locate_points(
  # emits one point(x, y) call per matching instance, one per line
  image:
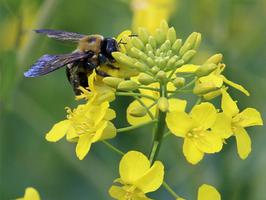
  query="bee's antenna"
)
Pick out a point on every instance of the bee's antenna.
point(121, 42)
point(133, 35)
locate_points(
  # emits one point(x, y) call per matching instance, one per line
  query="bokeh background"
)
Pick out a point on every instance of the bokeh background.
point(29, 107)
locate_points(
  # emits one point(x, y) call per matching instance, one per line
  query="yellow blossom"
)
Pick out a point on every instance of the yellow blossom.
point(236, 122)
point(208, 192)
point(30, 194)
point(86, 124)
point(98, 91)
point(137, 177)
point(194, 128)
point(150, 13)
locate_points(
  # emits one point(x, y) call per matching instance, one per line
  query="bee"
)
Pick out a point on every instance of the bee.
point(92, 51)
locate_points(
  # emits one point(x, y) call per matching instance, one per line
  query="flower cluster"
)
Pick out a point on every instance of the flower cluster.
point(156, 70)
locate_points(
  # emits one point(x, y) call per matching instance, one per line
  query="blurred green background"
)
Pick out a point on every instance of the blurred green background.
point(29, 107)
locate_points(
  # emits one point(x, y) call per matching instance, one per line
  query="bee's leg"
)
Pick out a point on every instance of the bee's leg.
point(104, 60)
point(112, 66)
point(101, 73)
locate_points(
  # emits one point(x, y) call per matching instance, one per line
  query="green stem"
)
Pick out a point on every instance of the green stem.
point(149, 88)
point(147, 109)
point(113, 148)
point(159, 130)
point(132, 94)
point(170, 190)
point(129, 128)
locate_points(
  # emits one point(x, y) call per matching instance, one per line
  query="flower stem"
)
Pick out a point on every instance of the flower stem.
point(170, 190)
point(149, 88)
point(159, 130)
point(113, 148)
point(129, 128)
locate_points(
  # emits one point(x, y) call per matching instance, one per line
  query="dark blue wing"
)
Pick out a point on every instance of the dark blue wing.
point(61, 35)
point(48, 63)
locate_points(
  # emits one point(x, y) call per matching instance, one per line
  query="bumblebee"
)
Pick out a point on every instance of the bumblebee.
point(92, 51)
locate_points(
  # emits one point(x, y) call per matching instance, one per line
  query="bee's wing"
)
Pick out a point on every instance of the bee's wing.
point(48, 63)
point(61, 35)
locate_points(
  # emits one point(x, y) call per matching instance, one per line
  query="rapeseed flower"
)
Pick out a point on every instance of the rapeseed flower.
point(30, 194)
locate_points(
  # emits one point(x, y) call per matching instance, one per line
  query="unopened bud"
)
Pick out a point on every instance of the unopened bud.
point(152, 42)
point(188, 55)
point(137, 43)
point(127, 85)
point(145, 79)
point(161, 75)
point(215, 59)
point(124, 59)
point(141, 66)
point(138, 111)
point(176, 46)
point(112, 81)
point(212, 95)
point(192, 42)
point(171, 35)
point(160, 36)
point(204, 88)
point(155, 69)
point(163, 104)
point(143, 34)
point(164, 26)
point(171, 62)
point(166, 46)
point(179, 82)
point(205, 69)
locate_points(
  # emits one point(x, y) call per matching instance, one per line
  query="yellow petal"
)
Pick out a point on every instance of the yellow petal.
point(189, 68)
point(191, 152)
point(217, 81)
point(236, 86)
point(249, 117)
point(110, 114)
point(117, 192)
point(83, 146)
point(204, 114)
point(31, 194)
point(152, 179)
point(132, 166)
point(105, 131)
point(228, 105)
point(179, 123)
point(208, 192)
point(72, 135)
point(243, 142)
point(209, 142)
point(177, 105)
point(139, 120)
point(222, 126)
point(58, 131)
point(180, 198)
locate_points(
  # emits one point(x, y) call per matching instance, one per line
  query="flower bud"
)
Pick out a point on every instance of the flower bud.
point(152, 42)
point(145, 79)
point(135, 52)
point(176, 46)
point(212, 95)
point(216, 59)
point(188, 55)
point(204, 88)
point(165, 46)
point(163, 104)
point(127, 85)
point(141, 66)
point(161, 75)
point(112, 81)
point(160, 36)
point(179, 63)
point(137, 43)
point(155, 69)
point(150, 61)
point(171, 62)
point(138, 111)
point(192, 42)
point(179, 82)
point(149, 47)
point(164, 26)
point(124, 59)
point(171, 35)
point(143, 35)
point(205, 69)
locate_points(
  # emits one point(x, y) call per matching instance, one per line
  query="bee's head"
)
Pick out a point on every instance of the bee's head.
point(109, 45)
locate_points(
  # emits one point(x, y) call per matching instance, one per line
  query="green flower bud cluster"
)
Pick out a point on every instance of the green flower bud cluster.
point(155, 55)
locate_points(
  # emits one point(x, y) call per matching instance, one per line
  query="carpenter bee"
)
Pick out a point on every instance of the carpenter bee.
point(92, 51)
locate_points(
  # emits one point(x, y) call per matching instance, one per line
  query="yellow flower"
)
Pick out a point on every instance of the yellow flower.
point(30, 194)
point(194, 128)
point(86, 124)
point(97, 92)
point(174, 104)
point(237, 122)
point(208, 192)
point(150, 13)
point(137, 177)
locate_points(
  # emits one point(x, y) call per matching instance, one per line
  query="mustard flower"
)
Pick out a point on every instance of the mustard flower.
point(195, 129)
point(87, 124)
point(137, 177)
point(30, 194)
point(237, 122)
